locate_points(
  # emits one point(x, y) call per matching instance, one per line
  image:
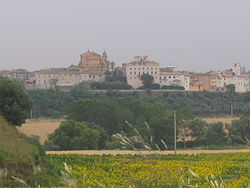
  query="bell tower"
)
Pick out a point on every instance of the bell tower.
point(236, 68)
point(104, 56)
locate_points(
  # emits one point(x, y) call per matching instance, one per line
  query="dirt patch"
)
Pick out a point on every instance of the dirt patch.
point(40, 127)
point(131, 152)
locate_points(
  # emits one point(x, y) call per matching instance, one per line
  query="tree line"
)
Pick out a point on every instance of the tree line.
point(52, 103)
point(134, 124)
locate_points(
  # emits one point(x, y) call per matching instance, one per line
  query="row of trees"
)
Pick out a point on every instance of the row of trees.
point(106, 123)
point(51, 103)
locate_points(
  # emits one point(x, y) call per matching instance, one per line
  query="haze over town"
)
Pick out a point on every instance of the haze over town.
point(192, 35)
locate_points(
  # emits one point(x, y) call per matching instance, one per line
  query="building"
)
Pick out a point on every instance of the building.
point(91, 68)
point(93, 63)
point(63, 78)
point(168, 78)
point(139, 66)
point(235, 77)
point(18, 74)
point(200, 82)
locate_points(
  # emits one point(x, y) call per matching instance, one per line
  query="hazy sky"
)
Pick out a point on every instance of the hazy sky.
point(199, 35)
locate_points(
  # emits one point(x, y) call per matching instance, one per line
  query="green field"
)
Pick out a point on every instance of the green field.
point(203, 170)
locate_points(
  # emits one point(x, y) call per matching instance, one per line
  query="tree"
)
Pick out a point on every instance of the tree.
point(216, 134)
point(240, 129)
point(147, 81)
point(15, 103)
point(72, 135)
point(163, 132)
point(198, 129)
point(173, 87)
point(117, 76)
point(230, 88)
point(184, 116)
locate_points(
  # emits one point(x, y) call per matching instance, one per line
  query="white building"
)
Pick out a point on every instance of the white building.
point(174, 78)
point(139, 66)
point(239, 79)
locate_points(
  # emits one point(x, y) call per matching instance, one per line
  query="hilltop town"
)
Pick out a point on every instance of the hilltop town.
point(94, 67)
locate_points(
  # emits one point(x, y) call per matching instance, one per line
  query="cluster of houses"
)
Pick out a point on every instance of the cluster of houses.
point(94, 67)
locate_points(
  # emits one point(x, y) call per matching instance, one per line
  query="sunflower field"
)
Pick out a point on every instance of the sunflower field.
point(201, 170)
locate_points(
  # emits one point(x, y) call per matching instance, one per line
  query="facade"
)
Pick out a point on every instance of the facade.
point(93, 63)
point(63, 78)
point(236, 77)
point(18, 74)
point(200, 82)
point(139, 66)
point(174, 78)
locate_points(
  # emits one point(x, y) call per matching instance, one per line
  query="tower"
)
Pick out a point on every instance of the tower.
point(104, 56)
point(236, 68)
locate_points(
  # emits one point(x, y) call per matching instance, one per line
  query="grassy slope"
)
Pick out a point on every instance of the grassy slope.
point(22, 158)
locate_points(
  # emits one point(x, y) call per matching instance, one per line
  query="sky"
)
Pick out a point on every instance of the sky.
point(195, 35)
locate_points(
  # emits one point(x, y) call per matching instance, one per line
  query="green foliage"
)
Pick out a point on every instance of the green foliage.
point(109, 85)
point(240, 129)
point(147, 81)
point(155, 86)
point(14, 101)
point(163, 130)
point(50, 103)
point(198, 129)
point(72, 135)
point(216, 134)
point(173, 87)
point(112, 114)
point(24, 158)
point(230, 88)
point(116, 76)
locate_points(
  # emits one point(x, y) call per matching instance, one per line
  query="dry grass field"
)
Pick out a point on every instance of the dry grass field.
point(224, 119)
point(40, 127)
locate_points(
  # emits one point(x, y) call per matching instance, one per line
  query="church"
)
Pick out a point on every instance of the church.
point(93, 63)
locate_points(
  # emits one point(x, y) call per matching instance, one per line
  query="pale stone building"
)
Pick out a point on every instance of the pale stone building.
point(139, 66)
point(93, 63)
point(63, 78)
point(18, 74)
point(91, 68)
point(200, 82)
point(236, 77)
point(174, 78)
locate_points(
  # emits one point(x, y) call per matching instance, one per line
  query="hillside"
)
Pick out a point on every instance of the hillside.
point(22, 160)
